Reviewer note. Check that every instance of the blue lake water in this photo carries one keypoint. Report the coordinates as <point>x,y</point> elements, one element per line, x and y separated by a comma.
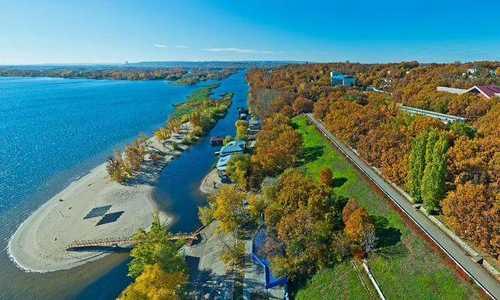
<point>54,130</point>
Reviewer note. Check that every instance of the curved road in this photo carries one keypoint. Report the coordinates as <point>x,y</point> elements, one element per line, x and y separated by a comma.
<point>475,271</point>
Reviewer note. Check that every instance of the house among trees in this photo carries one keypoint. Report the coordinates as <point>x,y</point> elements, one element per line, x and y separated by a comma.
<point>254,125</point>
<point>486,91</point>
<point>232,147</point>
<point>221,165</point>
<point>339,79</point>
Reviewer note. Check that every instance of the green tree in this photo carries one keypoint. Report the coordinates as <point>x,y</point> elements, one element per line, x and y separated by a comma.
<point>417,166</point>
<point>238,168</point>
<point>155,247</point>
<point>433,180</point>
<point>241,130</point>
<point>432,137</point>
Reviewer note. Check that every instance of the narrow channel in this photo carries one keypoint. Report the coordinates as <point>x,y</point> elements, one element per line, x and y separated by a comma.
<point>177,190</point>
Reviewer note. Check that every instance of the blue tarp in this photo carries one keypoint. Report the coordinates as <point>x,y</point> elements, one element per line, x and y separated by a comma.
<point>258,243</point>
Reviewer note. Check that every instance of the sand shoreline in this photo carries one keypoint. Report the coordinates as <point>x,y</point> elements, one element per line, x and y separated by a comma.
<point>39,243</point>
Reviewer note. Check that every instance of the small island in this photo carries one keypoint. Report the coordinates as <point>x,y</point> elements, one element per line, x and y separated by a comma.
<point>115,199</point>
<point>185,75</point>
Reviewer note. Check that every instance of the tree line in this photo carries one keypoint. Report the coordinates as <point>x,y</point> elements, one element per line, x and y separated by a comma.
<point>451,169</point>
<point>180,75</point>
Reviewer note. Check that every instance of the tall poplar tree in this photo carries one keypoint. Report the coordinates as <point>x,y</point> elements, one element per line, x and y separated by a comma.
<point>433,180</point>
<point>417,165</point>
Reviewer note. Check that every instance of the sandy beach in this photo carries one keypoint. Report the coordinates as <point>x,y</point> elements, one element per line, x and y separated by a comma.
<point>211,183</point>
<point>40,242</point>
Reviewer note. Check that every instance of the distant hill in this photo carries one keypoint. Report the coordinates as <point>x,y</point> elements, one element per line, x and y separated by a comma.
<point>148,65</point>
<point>212,64</point>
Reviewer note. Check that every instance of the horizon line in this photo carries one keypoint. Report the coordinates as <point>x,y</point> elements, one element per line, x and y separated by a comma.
<point>242,61</point>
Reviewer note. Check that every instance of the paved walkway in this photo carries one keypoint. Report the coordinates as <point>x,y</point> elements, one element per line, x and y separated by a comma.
<point>209,277</point>
<point>254,283</point>
<point>475,271</point>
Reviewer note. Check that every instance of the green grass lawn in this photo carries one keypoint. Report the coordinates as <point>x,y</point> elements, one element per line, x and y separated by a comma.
<point>404,265</point>
<point>341,282</point>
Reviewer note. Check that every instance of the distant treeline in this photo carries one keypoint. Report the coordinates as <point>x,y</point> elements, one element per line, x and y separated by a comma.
<point>184,76</point>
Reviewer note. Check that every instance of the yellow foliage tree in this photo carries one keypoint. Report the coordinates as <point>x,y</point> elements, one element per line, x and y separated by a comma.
<point>156,284</point>
<point>229,209</point>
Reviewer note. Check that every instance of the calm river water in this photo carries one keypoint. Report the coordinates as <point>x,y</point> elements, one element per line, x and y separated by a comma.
<point>54,130</point>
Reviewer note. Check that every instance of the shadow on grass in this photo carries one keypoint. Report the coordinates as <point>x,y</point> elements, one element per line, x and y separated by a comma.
<point>338,182</point>
<point>387,236</point>
<point>312,153</point>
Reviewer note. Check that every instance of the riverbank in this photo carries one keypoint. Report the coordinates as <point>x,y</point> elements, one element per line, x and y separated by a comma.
<point>39,244</point>
<point>95,207</point>
<point>211,183</point>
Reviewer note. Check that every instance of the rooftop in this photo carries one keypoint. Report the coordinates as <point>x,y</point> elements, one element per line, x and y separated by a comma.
<point>232,147</point>
<point>222,162</point>
<point>487,90</point>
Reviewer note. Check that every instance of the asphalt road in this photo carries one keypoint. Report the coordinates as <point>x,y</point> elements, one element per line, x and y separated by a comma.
<point>475,271</point>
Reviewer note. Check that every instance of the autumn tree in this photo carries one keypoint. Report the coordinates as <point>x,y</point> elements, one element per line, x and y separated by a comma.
<point>256,205</point>
<point>472,211</point>
<point>360,229</point>
<point>206,215</point>
<point>117,169</point>
<point>134,154</point>
<point>278,146</point>
<point>302,105</point>
<point>233,255</point>
<point>163,134</point>
<point>326,177</point>
<point>304,216</point>
<point>350,207</point>
<point>229,209</point>
<point>155,283</point>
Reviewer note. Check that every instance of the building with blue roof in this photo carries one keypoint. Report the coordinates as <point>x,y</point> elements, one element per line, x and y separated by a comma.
<point>232,147</point>
<point>339,79</point>
<point>221,165</point>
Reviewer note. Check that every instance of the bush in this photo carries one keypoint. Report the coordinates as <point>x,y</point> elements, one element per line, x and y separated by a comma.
<point>163,134</point>
<point>206,215</point>
<point>197,131</point>
<point>135,154</point>
<point>117,168</point>
<point>326,177</point>
<point>234,256</point>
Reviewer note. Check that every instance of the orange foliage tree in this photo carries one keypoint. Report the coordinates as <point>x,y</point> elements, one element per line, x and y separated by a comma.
<point>472,210</point>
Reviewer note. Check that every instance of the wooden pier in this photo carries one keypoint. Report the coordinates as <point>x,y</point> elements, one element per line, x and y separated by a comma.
<point>123,242</point>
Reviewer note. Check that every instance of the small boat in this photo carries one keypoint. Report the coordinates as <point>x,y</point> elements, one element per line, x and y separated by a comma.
<point>216,141</point>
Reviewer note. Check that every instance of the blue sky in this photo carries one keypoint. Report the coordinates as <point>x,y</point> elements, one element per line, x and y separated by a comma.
<point>98,31</point>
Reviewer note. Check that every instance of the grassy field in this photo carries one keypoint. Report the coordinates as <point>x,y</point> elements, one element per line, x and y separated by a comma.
<point>341,282</point>
<point>403,264</point>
